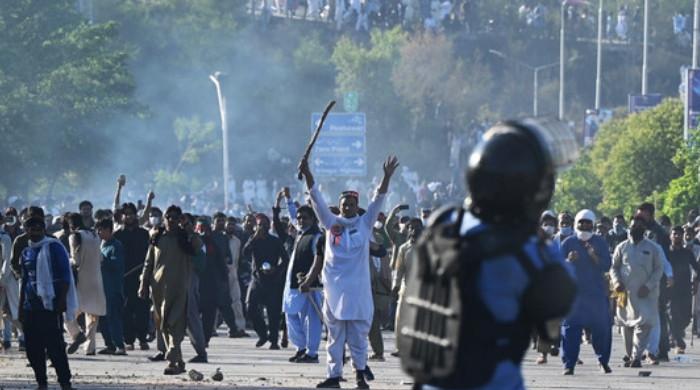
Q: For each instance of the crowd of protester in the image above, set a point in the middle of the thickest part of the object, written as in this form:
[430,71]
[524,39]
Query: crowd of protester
[535,17]
[640,279]
[232,270]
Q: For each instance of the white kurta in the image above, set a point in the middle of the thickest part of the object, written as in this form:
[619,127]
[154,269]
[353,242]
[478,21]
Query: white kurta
[7,279]
[635,265]
[346,277]
[88,258]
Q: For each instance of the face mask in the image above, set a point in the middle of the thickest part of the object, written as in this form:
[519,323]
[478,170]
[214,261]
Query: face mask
[11,220]
[618,228]
[548,229]
[154,221]
[637,234]
[378,225]
[584,235]
[566,231]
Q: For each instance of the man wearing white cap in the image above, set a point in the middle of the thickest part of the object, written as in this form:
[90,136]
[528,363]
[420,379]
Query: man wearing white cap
[348,306]
[589,256]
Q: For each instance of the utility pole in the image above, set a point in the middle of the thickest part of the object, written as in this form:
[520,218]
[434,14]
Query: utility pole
[599,56]
[644,47]
[561,61]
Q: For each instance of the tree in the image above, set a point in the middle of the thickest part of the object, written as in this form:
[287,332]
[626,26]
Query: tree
[197,142]
[640,162]
[62,79]
[683,193]
[578,187]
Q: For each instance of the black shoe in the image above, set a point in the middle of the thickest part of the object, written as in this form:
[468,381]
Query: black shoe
[274,346]
[106,351]
[198,359]
[144,346]
[6,345]
[636,364]
[297,355]
[260,342]
[159,357]
[663,357]
[361,383]
[579,362]
[330,383]
[76,343]
[368,374]
[66,387]
[307,359]
[376,358]
[554,351]
[604,368]
[626,359]
[175,369]
[395,354]
[284,343]
[568,371]
[238,334]
[42,387]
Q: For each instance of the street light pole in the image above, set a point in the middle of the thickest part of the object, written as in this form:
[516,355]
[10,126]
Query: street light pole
[599,56]
[535,87]
[561,62]
[644,47]
[535,82]
[696,32]
[224,128]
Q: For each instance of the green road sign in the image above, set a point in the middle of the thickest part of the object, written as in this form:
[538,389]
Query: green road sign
[351,100]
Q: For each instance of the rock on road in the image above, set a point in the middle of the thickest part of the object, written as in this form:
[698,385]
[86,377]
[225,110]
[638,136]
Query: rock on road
[247,367]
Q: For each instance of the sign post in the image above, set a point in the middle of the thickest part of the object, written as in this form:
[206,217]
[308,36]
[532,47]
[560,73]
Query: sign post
[341,148]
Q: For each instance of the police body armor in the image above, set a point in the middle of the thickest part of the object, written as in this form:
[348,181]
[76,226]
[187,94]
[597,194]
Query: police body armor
[447,335]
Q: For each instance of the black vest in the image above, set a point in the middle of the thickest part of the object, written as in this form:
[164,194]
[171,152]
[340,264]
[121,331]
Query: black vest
[304,256]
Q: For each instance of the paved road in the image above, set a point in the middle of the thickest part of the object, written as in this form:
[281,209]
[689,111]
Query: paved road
[246,367]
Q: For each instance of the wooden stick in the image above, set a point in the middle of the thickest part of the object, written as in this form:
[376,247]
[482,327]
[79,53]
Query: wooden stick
[307,153]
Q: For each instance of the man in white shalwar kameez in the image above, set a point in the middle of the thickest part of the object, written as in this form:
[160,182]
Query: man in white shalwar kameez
[348,307]
[635,273]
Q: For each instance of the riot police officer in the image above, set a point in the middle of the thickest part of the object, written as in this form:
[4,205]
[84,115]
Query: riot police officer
[482,279]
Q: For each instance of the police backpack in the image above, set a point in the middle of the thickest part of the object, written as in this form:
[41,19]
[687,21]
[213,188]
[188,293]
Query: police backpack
[447,336]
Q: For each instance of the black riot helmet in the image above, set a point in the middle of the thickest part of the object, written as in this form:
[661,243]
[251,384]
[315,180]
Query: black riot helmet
[511,175]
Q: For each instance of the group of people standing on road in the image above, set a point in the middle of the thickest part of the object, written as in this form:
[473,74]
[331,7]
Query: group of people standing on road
[163,275]
[642,279]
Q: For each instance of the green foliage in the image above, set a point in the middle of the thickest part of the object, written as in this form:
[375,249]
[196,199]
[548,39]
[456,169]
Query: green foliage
[197,144]
[61,80]
[637,158]
[578,187]
[683,192]
[195,139]
[640,162]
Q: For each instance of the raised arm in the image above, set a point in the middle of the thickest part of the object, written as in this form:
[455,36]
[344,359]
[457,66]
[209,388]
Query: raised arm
[319,205]
[277,224]
[121,181]
[149,204]
[375,207]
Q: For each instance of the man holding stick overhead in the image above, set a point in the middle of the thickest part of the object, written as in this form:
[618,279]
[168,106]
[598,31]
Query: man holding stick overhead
[348,307]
